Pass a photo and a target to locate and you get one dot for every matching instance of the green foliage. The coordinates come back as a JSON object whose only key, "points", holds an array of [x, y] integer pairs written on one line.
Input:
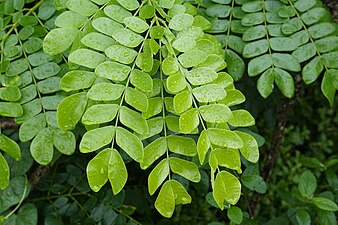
{"points": [[280, 39]]}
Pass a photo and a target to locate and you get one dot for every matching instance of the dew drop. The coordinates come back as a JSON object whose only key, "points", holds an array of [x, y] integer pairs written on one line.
{"points": [[126, 53], [101, 171]]}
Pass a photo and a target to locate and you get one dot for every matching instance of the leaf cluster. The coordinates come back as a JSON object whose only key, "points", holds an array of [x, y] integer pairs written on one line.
{"points": [[276, 40]]}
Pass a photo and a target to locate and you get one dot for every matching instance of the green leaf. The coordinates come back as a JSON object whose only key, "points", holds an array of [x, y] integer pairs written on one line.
{"points": [[106, 26], [30, 128], [27, 214], [254, 183], [116, 12], [4, 172], [284, 82], [129, 4], [171, 193], [254, 33], [216, 113], [209, 93], [136, 24], [253, 19], [265, 82], [325, 204], [83, 7], [286, 61], [192, 58], [321, 29], [186, 169], [189, 121], [305, 52], [326, 217], [101, 113], [201, 75], [182, 101], [130, 143], [97, 41], [184, 44], [241, 118], [86, 57], [304, 5], [97, 170], [235, 64], [77, 80], [59, 40], [155, 106], [255, 48], [303, 217], [158, 175], [284, 44], [105, 92], [16, 67], [170, 66], [141, 80], [176, 83], [328, 85], [113, 71], [327, 44], [42, 147], [10, 147], [312, 70], [136, 99], [64, 141], [234, 97], [203, 146], [117, 172], [121, 54], [307, 184], [224, 138], [46, 70], [203, 23], [70, 19], [70, 110], [133, 120], [235, 214], [250, 147], [153, 151], [259, 65], [10, 93], [96, 138], [313, 15], [291, 26], [218, 10], [182, 145], [226, 188], [181, 21], [127, 38], [145, 61], [228, 158]]}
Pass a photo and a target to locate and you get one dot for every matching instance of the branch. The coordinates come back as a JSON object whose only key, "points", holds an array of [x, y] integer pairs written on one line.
{"points": [[7, 123], [278, 135]]}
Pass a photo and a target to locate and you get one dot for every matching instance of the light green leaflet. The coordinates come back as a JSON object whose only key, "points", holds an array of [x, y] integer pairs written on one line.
{"points": [[86, 57], [107, 165], [136, 24], [59, 40], [227, 187], [10, 147], [4, 173], [101, 113], [70, 110], [121, 54], [96, 139], [127, 38], [171, 193], [113, 71], [105, 92]]}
